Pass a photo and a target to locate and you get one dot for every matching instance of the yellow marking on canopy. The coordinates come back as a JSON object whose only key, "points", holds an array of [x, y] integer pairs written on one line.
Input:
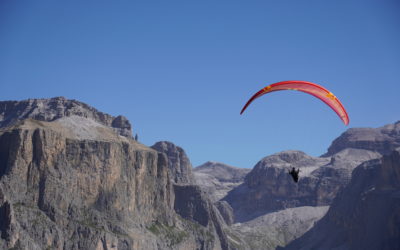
{"points": [[267, 88], [331, 96]]}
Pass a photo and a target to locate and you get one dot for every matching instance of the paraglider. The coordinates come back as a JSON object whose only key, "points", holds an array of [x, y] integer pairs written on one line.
{"points": [[307, 87], [295, 174]]}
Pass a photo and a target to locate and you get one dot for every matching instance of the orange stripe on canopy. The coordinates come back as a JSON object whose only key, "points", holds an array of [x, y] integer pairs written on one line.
{"points": [[307, 87]]}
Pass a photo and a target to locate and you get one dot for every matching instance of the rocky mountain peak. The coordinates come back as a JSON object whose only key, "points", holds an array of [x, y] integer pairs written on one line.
{"points": [[286, 160], [217, 179], [382, 140], [222, 172], [178, 162], [288, 156], [58, 107]]}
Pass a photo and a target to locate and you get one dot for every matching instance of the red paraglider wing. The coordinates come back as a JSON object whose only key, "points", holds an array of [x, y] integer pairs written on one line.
{"points": [[308, 87]]}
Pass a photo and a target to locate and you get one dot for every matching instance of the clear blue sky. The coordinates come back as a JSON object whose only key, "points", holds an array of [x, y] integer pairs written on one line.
{"points": [[182, 70]]}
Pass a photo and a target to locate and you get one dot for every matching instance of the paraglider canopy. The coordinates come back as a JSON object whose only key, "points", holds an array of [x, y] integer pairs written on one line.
{"points": [[307, 87]]}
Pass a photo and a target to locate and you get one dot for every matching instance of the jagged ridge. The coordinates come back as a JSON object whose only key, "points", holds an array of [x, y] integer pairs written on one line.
{"points": [[55, 108]]}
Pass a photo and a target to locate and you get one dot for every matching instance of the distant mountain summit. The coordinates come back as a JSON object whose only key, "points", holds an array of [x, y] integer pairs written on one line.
{"points": [[223, 172], [58, 107], [217, 179], [382, 140]]}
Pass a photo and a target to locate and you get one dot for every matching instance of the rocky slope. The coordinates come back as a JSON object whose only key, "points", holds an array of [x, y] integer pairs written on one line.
{"points": [[364, 215], [278, 228], [73, 180], [382, 140], [58, 107], [217, 179], [269, 187]]}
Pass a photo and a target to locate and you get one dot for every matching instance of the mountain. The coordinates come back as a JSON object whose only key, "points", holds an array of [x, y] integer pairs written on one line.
{"points": [[55, 108], [217, 179], [269, 187], [382, 140], [365, 214], [178, 162], [72, 177], [222, 172], [191, 201], [268, 191], [278, 228]]}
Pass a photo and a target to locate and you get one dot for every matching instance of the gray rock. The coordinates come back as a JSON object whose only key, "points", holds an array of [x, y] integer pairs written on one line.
{"points": [[217, 179], [191, 202], [226, 211], [223, 172], [365, 214], [55, 108], [269, 187], [278, 228], [72, 182], [72, 193], [178, 163], [72, 177], [382, 140], [194, 205]]}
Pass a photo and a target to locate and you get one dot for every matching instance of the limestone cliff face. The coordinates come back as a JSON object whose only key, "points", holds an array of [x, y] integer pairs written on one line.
{"points": [[76, 183], [194, 205], [226, 211], [178, 162], [269, 187], [382, 140], [365, 214], [56, 108], [61, 189], [191, 202]]}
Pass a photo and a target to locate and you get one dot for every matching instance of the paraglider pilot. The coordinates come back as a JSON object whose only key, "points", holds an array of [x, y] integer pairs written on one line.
{"points": [[295, 174]]}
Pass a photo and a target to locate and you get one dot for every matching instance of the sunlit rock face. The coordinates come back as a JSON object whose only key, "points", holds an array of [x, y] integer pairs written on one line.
{"points": [[365, 214], [70, 180], [73, 192]]}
